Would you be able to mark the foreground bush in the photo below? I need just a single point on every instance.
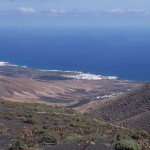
(49, 138)
(19, 145)
(127, 145)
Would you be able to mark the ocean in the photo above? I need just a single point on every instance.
(112, 51)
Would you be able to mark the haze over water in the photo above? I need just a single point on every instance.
(123, 52)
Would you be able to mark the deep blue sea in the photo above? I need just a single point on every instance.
(123, 52)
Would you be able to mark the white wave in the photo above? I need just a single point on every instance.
(2, 63)
(67, 71)
(24, 66)
(44, 70)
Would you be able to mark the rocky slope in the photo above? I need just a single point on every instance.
(25, 126)
(131, 109)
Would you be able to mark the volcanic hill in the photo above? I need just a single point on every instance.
(131, 109)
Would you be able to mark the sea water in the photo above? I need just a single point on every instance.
(111, 51)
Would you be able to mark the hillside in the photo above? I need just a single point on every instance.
(25, 126)
(36, 114)
(131, 109)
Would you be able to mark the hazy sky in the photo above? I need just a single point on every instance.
(74, 12)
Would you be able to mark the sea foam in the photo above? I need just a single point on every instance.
(2, 63)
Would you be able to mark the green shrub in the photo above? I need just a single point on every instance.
(74, 137)
(144, 133)
(135, 136)
(29, 120)
(127, 145)
(19, 145)
(50, 138)
(119, 137)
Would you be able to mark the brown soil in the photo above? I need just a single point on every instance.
(30, 85)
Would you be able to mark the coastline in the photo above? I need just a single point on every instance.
(55, 86)
(74, 74)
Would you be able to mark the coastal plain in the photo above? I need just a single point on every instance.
(57, 87)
